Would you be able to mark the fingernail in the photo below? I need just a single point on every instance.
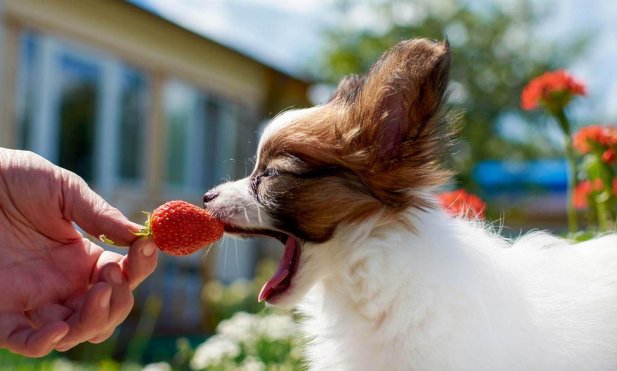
(58, 338)
(148, 250)
(115, 275)
(105, 299)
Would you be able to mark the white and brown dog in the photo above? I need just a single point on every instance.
(388, 280)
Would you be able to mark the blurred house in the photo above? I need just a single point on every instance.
(144, 110)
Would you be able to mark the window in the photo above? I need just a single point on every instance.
(132, 122)
(87, 111)
(26, 88)
(79, 82)
(82, 109)
(219, 158)
(202, 133)
(179, 111)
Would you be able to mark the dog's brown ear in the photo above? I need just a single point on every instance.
(401, 98)
(348, 89)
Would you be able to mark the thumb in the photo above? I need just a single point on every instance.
(92, 213)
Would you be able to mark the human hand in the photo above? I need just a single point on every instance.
(57, 288)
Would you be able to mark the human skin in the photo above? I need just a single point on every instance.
(57, 288)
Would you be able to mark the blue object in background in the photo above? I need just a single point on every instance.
(498, 177)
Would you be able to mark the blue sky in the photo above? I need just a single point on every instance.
(286, 34)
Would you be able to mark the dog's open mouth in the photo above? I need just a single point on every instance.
(288, 266)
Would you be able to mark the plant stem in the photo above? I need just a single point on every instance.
(560, 115)
(601, 206)
(603, 199)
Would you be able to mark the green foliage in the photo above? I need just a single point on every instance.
(53, 362)
(221, 302)
(601, 210)
(581, 236)
(18, 363)
(496, 50)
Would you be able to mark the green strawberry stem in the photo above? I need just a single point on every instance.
(146, 231)
(106, 240)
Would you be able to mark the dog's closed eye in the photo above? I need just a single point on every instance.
(256, 180)
(270, 173)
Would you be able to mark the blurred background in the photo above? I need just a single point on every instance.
(152, 100)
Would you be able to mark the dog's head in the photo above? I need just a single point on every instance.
(373, 149)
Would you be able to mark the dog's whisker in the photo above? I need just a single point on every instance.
(246, 170)
(237, 258)
(259, 214)
(258, 208)
(206, 253)
(225, 258)
(246, 215)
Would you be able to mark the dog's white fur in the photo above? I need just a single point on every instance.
(454, 296)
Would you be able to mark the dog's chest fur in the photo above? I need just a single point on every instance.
(452, 296)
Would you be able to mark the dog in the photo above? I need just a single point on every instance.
(386, 279)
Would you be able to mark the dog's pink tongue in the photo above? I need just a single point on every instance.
(274, 285)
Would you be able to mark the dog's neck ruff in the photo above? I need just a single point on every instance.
(445, 294)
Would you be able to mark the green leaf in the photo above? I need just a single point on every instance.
(592, 167)
(581, 236)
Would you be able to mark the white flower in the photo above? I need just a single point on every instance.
(245, 327)
(213, 351)
(278, 327)
(160, 366)
(252, 364)
(241, 327)
(63, 365)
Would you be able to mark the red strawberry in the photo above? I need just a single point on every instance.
(180, 228)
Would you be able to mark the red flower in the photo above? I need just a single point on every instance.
(461, 203)
(552, 89)
(582, 192)
(585, 189)
(583, 138)
(608, 156)
(604, 136)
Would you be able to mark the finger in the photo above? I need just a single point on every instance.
(17, 335)
(104, 260)
(140, 262)
(98, 324)
(101, 338)
(46, 314)
(37, 343)
(88, 319)
(92, 213)
(121, 301)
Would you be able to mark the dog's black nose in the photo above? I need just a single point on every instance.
(209, 196)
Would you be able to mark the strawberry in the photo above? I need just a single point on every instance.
(180, 228)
